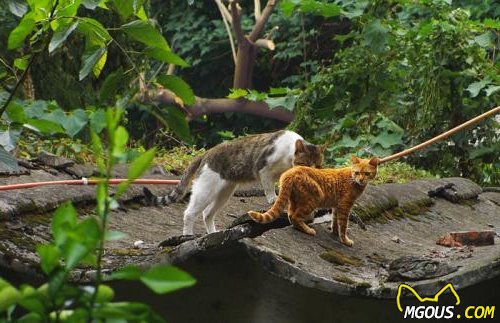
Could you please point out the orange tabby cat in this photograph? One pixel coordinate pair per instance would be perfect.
(306, 189)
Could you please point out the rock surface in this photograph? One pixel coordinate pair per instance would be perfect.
(404, 211)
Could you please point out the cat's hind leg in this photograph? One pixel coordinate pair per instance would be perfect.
(225, 191)
(335, 225)
(267, 179)
(204, 192)
(298, 218)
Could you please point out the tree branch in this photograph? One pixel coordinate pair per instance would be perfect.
(265, 43)
(257, 11)
(236, 14)
(204, 106)
(226, 18)
(224, 12)
(261, 22)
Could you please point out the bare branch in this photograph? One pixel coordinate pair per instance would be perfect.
(225, 14)
(236, 14)
(204, 106)
(261, 22)
(257, 11)
(265, 43)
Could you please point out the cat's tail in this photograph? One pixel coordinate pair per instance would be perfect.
(180, 190)
(281, 202)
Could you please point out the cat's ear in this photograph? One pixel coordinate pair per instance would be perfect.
(355, 160)
(374, 161)
(299, 146)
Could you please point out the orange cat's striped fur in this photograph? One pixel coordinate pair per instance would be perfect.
(305, 189)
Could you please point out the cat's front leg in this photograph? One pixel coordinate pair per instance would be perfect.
(334, 226)
(342, 217)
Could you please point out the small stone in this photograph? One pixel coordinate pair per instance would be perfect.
(242, 200)
(396, 239)
(490, 225)
(138, 244)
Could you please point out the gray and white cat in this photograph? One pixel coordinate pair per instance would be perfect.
(218, 172)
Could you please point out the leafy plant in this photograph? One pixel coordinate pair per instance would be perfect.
(45, 27)
(77, 243)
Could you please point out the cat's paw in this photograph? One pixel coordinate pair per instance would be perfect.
(348, 242)
(310, 231)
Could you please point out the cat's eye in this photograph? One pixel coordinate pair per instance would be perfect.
(357, 173)
(367, 173)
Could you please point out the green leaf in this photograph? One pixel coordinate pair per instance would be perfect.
(98, 120)
(324, 9)
(165, 279)
(74, 251)
(348, 142)
(141, 164)
(91, 4)
(98, 151)
(105, 294)
(49, 257)
(146, 33)
(30, 318)
(120, 142)
(476, 87)
(387, 139)
(22, 63)
(36, 109)
(16, 113)
(19, 34)
(7, 162)
(32, 300)
(63, 222)
(484, 40)
(492, 89)
(60, 36)
(17, 7)
(279, 90)
(130, 272)
(492, 23)
(375, 36)
(288, 6)
(56, 282)
(166, 56)
(286, 102)
(90, 58)
(179, 87)
(97, 69)
(9, 295)
(43, 126)
(177, 123)
(95, 33)
(237, 93)
(75, 121)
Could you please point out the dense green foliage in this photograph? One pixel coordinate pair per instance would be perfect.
(411, 70)
(368, 77)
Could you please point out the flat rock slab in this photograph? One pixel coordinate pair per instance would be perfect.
(390, 210)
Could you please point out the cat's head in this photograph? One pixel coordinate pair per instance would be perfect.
(307, 154)
(364, 170)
